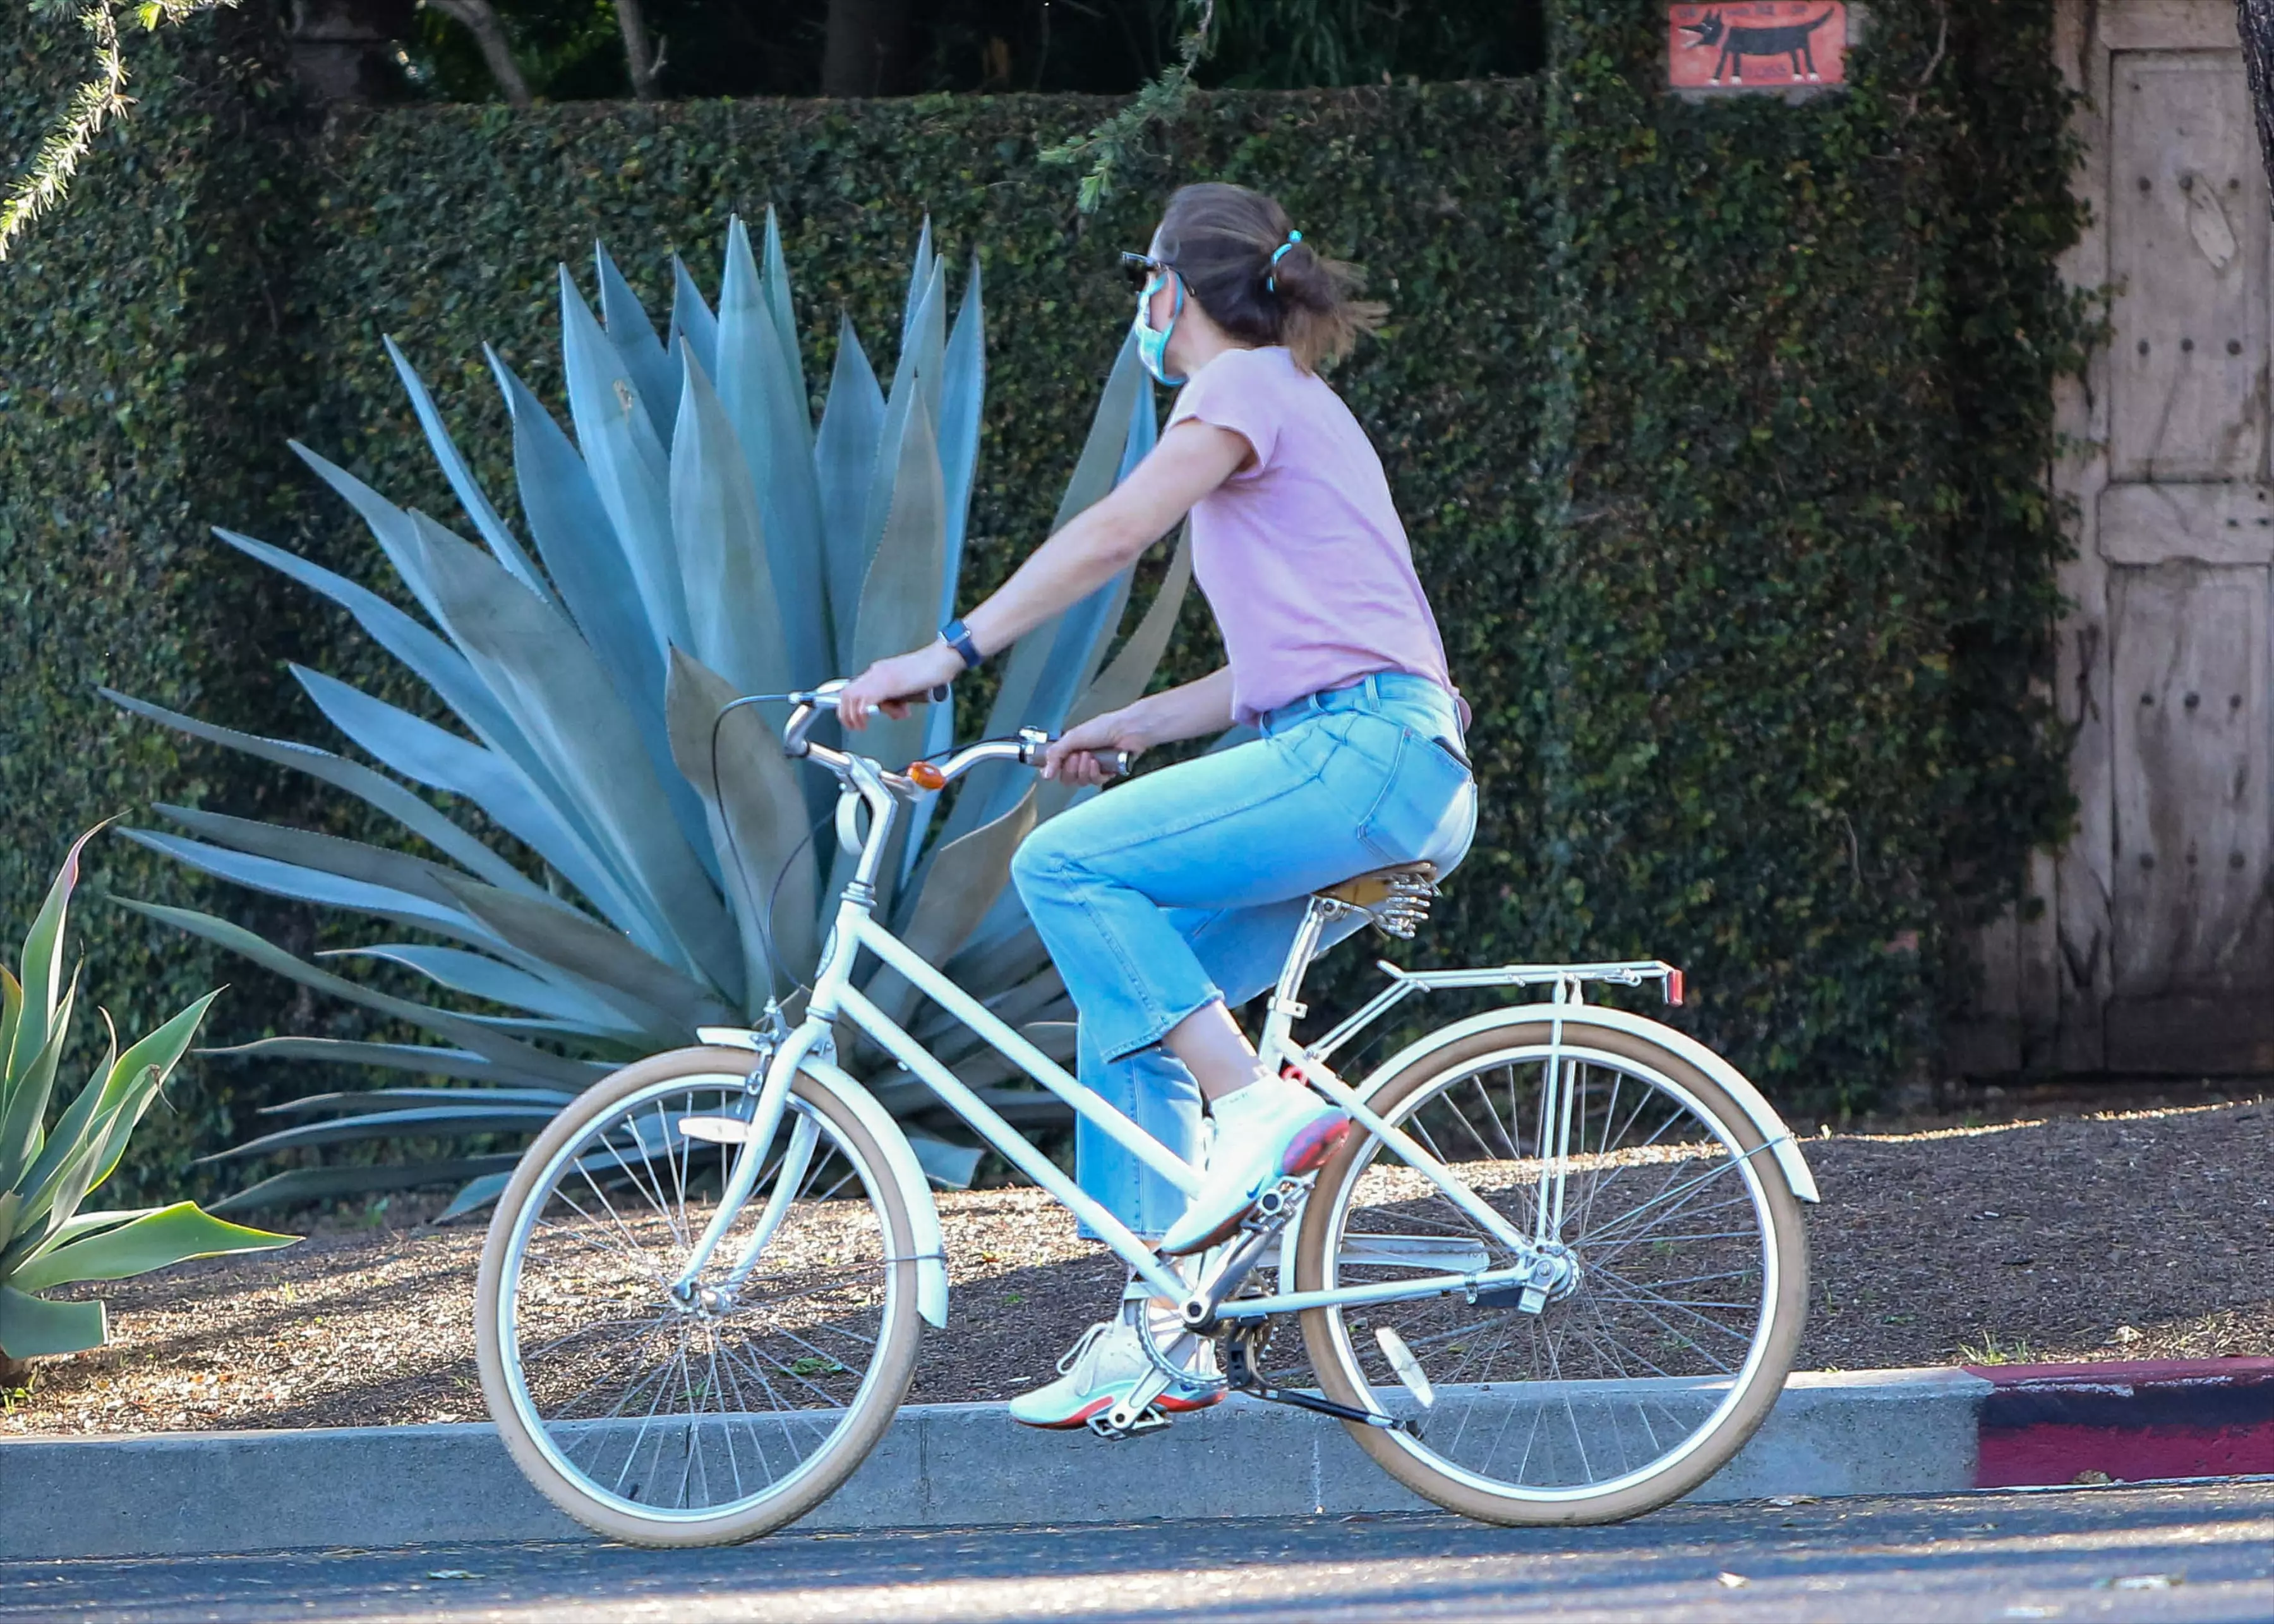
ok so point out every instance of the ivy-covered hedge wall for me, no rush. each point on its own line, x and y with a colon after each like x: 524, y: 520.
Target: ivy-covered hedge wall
x: 1718, y: 428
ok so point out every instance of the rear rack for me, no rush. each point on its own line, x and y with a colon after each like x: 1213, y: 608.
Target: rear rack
x: 1569, y: 981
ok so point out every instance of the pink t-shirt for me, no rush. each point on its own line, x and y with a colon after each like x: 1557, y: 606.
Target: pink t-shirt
x: 1300, y: 554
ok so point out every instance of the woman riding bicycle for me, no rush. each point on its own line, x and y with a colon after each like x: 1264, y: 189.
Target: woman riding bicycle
x: 1176, y: 897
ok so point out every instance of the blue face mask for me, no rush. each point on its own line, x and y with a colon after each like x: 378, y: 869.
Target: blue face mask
x: 1153, y: 347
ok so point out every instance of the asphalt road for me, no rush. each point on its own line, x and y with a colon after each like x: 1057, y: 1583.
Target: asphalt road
x: 2200, y: 1555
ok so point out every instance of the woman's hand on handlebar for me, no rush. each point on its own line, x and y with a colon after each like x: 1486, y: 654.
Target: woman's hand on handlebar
x: 1073, y: 756
x: 889, y: 685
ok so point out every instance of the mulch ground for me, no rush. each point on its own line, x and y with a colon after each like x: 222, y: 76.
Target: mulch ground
x: 2144, y: 1234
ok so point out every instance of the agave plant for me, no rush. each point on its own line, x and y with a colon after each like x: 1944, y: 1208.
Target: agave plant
x: 700, y: 539
x: 45, y: 1174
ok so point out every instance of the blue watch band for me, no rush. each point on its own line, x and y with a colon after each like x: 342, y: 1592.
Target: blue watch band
x: 957, y: 636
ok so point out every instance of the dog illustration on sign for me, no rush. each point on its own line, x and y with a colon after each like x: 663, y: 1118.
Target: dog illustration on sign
x: 1792, y: 40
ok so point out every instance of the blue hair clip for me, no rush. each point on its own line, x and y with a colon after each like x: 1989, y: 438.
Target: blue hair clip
x: 1271, y: 283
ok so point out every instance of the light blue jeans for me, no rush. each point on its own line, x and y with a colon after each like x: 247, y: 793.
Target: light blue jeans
x: 1184, y: 886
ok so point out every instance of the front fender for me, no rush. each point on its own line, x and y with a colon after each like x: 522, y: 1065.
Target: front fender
x: 916, y: 1191
x: 1762, y: 1116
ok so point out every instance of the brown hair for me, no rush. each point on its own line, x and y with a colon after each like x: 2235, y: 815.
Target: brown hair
x: 1221, y: 239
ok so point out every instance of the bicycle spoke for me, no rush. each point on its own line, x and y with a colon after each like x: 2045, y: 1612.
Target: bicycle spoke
x: 1629, y: 1358
x: 689, y: 1407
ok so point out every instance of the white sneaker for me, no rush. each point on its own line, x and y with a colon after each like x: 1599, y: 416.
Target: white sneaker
x: 1269, y: 1129
x: 1103, y: 1368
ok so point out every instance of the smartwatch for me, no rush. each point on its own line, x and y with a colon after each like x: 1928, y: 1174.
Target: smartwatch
x: 956, y: 635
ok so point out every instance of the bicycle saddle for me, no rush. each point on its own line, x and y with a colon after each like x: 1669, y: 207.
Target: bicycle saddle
x: 1397, y: 899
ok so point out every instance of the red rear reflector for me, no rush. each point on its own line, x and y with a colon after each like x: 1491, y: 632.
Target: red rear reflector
x: 1673, y: 986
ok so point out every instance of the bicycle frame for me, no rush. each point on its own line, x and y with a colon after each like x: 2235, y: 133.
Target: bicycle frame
x: 866, y: 784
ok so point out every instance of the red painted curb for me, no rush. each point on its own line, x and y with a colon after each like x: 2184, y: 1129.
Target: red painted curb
x: 2132, y: 1420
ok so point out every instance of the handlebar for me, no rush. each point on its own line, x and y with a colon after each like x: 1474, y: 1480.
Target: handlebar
x: 923, y: 777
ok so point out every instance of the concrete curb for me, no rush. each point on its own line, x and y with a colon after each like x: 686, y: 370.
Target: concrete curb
x: 1909, y: 1432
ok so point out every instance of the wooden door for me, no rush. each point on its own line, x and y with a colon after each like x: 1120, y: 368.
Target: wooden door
x: 2187, y: 531
x: 2151, y: 949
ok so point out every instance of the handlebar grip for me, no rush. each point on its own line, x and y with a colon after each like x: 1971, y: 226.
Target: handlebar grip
x: 1116, y: 764
x: 939, y: 694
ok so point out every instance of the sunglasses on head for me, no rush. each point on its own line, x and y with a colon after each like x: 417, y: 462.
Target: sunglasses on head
x: 1143, y: 268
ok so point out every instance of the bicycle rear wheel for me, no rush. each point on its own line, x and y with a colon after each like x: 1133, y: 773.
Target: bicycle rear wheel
x: 1641, y: 1376
x: 661, y: 1423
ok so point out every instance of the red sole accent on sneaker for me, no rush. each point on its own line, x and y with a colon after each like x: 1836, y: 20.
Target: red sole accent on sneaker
x: 1185, y: 1406
x: 1078, y: 1418
x: 1309, y: 1150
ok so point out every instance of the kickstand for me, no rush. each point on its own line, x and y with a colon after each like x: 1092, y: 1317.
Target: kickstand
x: 1239, y: 1370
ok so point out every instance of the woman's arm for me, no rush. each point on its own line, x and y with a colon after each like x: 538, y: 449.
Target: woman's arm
x: 1182, y: 712
x: 1191, y: 460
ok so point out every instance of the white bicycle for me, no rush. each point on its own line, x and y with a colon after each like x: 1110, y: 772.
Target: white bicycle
x: 1557, y: 1274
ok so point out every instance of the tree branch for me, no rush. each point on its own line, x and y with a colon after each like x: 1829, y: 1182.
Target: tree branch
x: 636, y: 56
x: 479, y: 19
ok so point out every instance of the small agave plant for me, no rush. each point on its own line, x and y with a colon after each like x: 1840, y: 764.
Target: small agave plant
x: 49, y: 1167
x: 700, y: 539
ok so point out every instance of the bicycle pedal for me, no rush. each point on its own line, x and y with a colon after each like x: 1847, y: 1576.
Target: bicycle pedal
x: 1151, y: 1420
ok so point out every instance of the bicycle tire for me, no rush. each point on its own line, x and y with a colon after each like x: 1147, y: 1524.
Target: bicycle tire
x: 536, y: 1443
x: 1427, y: 1469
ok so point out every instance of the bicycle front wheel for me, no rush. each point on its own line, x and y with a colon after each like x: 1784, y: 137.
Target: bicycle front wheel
x: 1668, y: 1341
x: 660, y: 1422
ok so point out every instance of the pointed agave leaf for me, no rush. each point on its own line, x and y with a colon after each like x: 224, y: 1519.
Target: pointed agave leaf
x: 920, y: 275
x: 577, y: 541
x: 948, y: 1166
x: 1094, y: 476
x: 1041, y: 663
x: 916, y: 389
x: 902, y: 591
x: 462, y: 482
x: 440, y: 760
x: 959, y: 886
x: 1124, y: 680
x: 374, y: 789
x: 592, y: 952
x: 32, y: 1328
x: 321, y: 1184
x: 312, y: 885
x: 752, y: 791
x: 430, y: 657
x: 390, y: 1098
x: 25, y: 1243
x: 12, y: 1014
x: 522, y: 1060
x: 625, y: 457
x: 151, y: 1241
x: 24, y: 1141
x: 762, y: 389
x: 783, y: 309
x: 692, y: 324
x: 962, y: 392
x: 477, y: 975
x: 545, y: 677
x: 390, y: 526
x: 722, y: 550
x: 652, y: 369
x: 433, y: 1122
x: 352, y: 860
x: 44, y: 964
x: 419, y: 1058
x: 478, y: 1193
x: 844, y: 454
